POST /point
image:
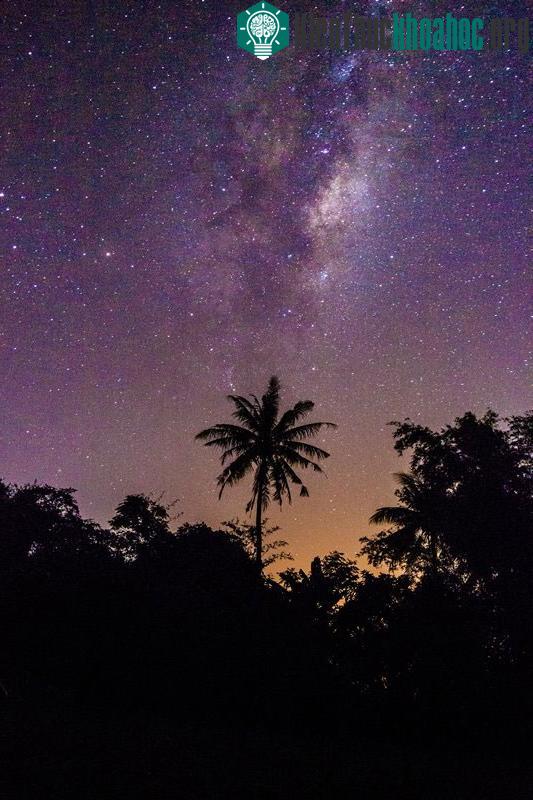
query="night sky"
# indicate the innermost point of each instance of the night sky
(180, 221)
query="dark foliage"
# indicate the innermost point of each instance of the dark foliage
(143, 661)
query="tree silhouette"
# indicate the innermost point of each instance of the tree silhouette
(330, 580)
(108, 633)
(139, 521)
(268, 445)
(414, 543)
(477, 473)
(466, 504)
(273, 549)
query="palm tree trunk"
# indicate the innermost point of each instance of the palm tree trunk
(259, 528)
(434, 556)
(258, 520)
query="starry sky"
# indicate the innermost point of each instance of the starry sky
(179, 221)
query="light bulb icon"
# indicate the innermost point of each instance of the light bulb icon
(263, 28)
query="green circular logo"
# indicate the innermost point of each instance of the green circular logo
(262, 30)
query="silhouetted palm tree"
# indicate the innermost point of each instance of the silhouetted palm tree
(415, 540)
(270, 446)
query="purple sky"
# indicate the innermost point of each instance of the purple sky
(180, 220)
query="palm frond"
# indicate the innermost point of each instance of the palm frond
(225, 430)
(309, 449)
(260, 486)
(310, 429)
(293, 414)
(238, 449)
(296, 459)
(390, 515)
(245, 412)
(295, 478)
(227, 443)
(281, 484)
(235, 471)
(406, 479)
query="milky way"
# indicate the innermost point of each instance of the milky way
(180, 220)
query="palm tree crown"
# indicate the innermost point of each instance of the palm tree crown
(268, 446)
